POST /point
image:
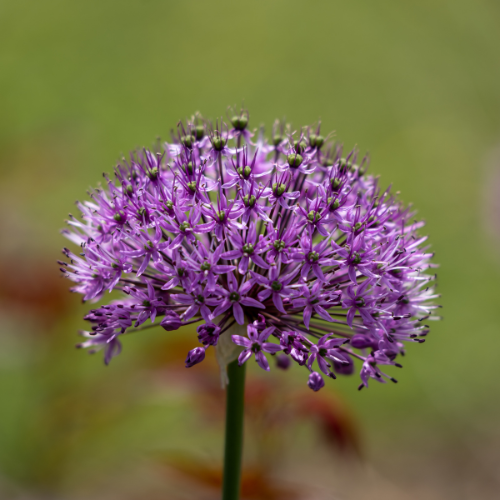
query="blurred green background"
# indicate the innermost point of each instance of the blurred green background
(417, 84)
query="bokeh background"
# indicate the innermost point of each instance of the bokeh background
(417, 84)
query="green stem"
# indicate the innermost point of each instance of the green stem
(235, 396)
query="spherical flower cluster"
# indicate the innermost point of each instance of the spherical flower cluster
(289, 243)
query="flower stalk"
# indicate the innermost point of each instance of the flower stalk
(235, 395)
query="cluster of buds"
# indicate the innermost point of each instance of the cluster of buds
(287, 249)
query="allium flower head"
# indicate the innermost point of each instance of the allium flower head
(285, 248)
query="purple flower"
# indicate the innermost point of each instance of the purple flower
(245, 170)
(91, 283)
(150, 248)
(255, 344)
(247, 250)
(184, 227)
(275, 286)
(235, 297)
(294, 343)
(146, 304)
(218, 141)
(191, 178)
(324, 351)
(281, 243)
(360, 300)
(279, 194)
(197, 300)
(356, 258)
(107, 340)
(205, 263)
(314, 301)
(291, 238)
(224, 217)
(313, 257)
(176, 272)
(313, 216)
(250, 195)
(239, 122)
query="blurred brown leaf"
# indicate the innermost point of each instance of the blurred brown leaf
(255, 482)
(335, 420)
(271, 405)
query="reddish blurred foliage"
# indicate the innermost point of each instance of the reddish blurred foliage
(33, 288)
(272, 404)
(336, 421)
(255, 481)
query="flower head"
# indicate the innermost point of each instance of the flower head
(291, 241)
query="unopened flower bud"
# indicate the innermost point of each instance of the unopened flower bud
(195, 356)
(344, 368)
(208, 334)
(315, 381)
(360, 341)
(171, 321)
(283, 361)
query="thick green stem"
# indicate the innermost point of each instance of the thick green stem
(235, 401)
